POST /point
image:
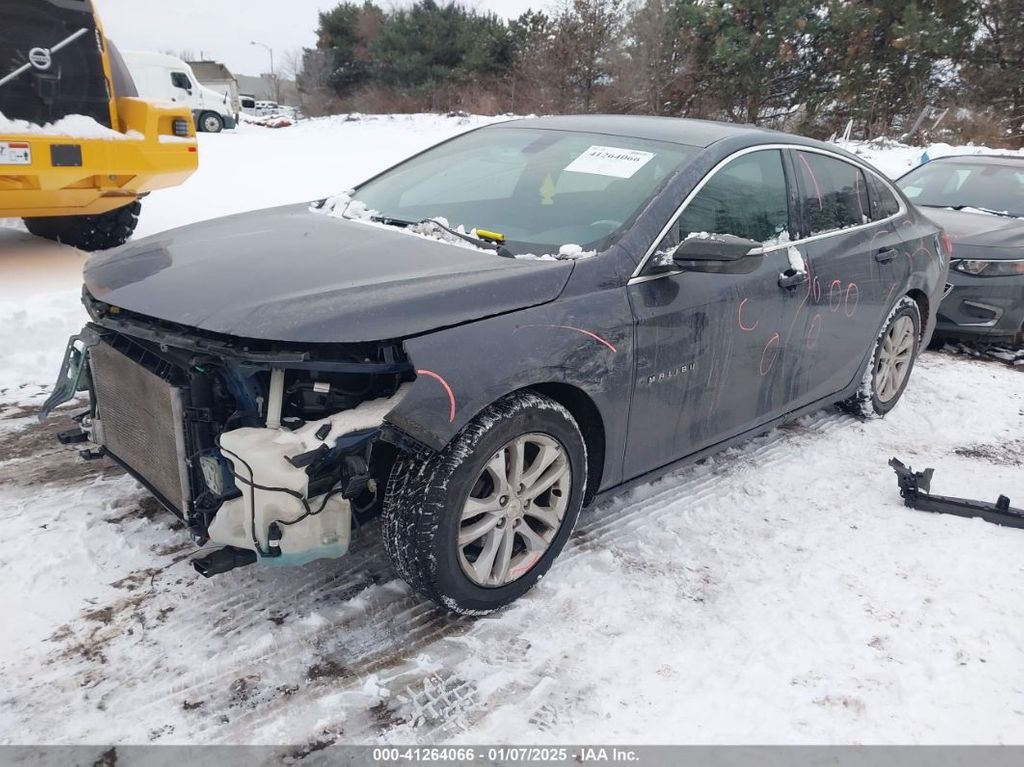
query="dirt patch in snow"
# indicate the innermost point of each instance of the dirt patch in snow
(31, 455)
(1000, 355)
(1004, 454)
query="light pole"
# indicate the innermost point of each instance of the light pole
(273, 74)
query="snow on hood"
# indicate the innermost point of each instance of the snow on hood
(344, 205)
(72, 126)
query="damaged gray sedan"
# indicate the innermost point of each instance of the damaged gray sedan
(480, 341)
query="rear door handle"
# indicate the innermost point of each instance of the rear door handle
(885, 255)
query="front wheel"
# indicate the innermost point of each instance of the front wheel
(891, 362)
(211, 122)
(475, 526)
(99, 232)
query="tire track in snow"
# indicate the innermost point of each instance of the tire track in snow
(357, 623)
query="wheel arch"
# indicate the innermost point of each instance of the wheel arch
(921, 299)
(588, 417)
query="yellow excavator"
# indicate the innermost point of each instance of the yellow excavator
(78, 148)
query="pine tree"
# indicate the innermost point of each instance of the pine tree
(994, 72)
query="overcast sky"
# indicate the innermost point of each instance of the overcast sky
(222, 29)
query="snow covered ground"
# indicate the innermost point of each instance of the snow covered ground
(779, 592)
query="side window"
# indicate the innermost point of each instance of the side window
(883, 202)
(746, 198)
(180, 80)
(834, 193)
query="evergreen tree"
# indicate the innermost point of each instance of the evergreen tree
(346, 33)
(884, 60)
(994, 71)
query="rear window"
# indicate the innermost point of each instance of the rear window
(833, 193)
(41, 84)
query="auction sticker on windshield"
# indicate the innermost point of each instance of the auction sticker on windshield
(15, 153)
(610, 161)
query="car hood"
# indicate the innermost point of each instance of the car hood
(297, 275)
(970, 230)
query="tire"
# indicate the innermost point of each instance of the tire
(427, 499)
(211, 122)
(900, 338)
(99, 232)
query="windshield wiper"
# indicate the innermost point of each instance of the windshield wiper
(1003, 213)
(498, 247)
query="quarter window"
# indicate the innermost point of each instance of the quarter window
(833, 193)
(883, 202)
(746, 198)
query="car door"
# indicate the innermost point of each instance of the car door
(855, 261)
(713, 349)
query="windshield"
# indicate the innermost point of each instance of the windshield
(540, 189)
(955, 184)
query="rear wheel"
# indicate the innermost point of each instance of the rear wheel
(475, 526)
(99, 232)
(211, 122)
(889, 367)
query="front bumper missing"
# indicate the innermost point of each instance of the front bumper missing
(287, 492)
(915, 489)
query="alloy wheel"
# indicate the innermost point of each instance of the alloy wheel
(894, 358)
(514, 510)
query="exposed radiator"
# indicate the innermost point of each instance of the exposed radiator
(142, 421)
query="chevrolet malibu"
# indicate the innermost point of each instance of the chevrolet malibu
(487, 337)
(979, 201)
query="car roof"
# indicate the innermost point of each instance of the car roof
(677, 130)
(983, 159)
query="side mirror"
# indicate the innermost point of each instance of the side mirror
(714, 247)
(713, 253)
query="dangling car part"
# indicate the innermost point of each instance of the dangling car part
(480, 341)
(915, 489)
(78, 149)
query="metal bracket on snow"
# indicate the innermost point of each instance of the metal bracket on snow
(915, 488)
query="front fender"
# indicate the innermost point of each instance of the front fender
(584, 341)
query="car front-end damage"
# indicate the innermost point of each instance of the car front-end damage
(267, 449)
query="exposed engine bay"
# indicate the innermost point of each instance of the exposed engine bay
(266, 450)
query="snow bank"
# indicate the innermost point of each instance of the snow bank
(895, 159)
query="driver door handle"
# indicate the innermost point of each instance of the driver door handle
(791, 278)
(885, 255)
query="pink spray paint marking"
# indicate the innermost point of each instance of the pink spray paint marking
(739, 318)
(595, 336)
(814, 331)
(772, 347)
(849, 310)
(835, 291)
(447, 390)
